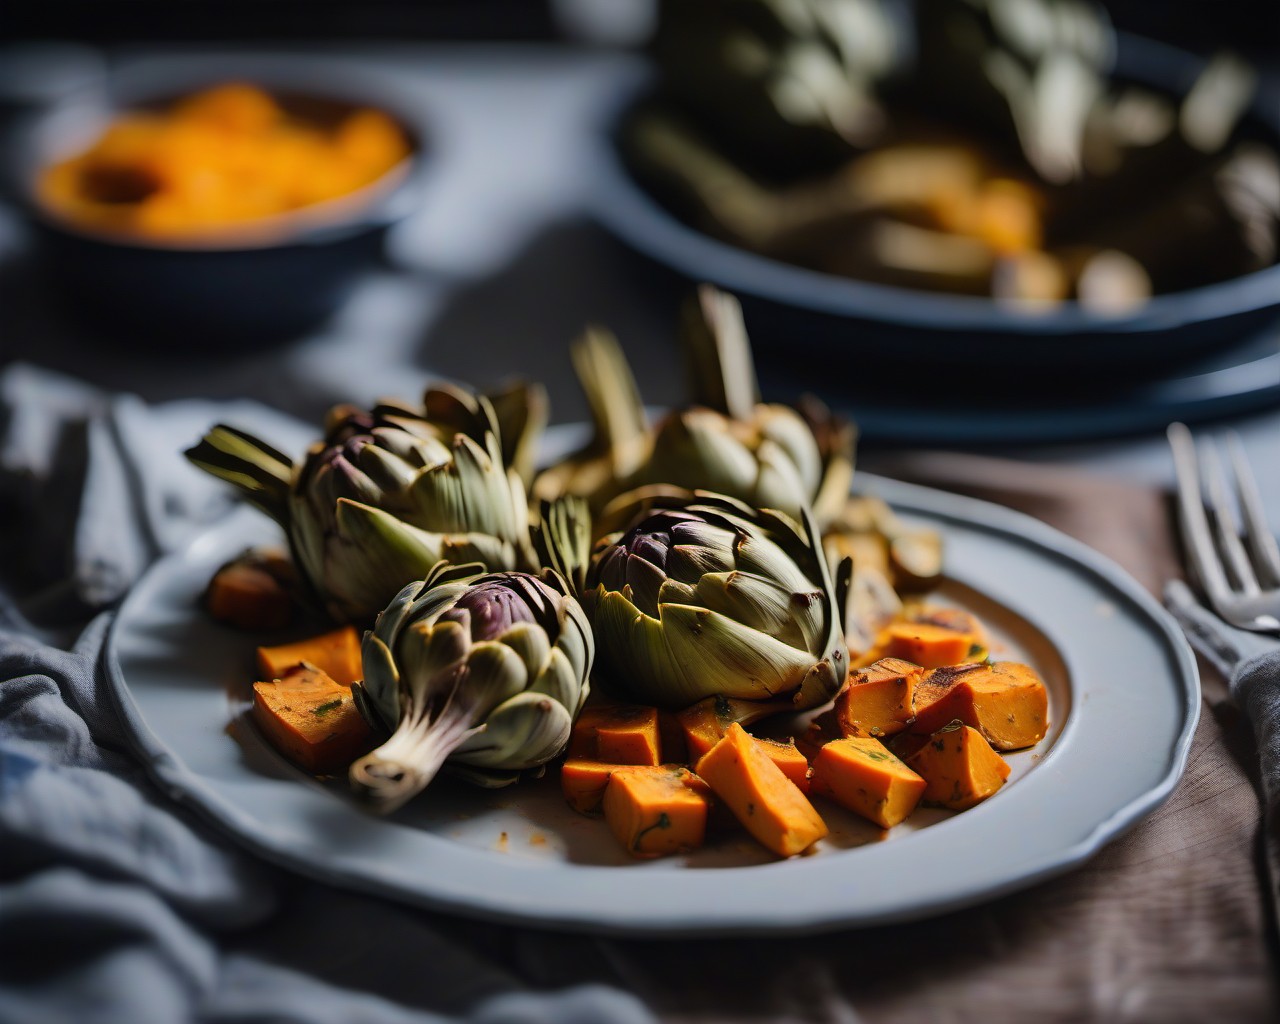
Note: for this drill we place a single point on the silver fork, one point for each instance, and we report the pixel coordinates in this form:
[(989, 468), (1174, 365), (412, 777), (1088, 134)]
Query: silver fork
[(1234, 558)]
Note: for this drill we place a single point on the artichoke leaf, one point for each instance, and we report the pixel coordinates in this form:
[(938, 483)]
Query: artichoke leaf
[(428, 655), (492, 673), (795, 618), (718, 655), (778, 482), (381, 688), (530, 643), (625, 635), (576, 642), (562, 539), (526, 730), (260, 472), (558, 679)]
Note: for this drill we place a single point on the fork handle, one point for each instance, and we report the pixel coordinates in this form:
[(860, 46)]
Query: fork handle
[(1256, 689)]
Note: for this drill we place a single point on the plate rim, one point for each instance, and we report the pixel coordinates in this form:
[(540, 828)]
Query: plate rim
[(188, 788)]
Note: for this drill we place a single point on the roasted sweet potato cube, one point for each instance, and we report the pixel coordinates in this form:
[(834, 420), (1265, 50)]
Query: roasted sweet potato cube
[(311, 719), (959, 767), (905, 744), (861, 774), (701, 727), (582, 781), (704, 723), (768, 804), (926, 644), (250, 593), (955, 619), (655, 811), (671, 738), (822, 729), (1006, 701), (787, 756), (337, 654), (878, 700), (617, 734)]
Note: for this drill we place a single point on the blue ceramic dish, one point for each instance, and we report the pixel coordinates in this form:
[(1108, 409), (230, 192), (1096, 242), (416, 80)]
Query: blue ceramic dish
[(790, 308), (271, 282)]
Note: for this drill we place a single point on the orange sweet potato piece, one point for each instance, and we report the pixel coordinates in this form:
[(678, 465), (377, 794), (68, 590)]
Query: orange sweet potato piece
[(617, 734), (248, 594), (582, 781), (655, 810), (822, 729), (926, 643), (878, 700), (701, 727), (704, 724), (311, 719), (861, 774), (337, 654), (787, 757), (955, 619), (671, 739), (959, 767), (1006, 701), (905, 744), (768, 804)]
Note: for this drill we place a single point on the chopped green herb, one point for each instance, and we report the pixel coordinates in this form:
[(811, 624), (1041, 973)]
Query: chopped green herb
[(662, 822), (325, 708)]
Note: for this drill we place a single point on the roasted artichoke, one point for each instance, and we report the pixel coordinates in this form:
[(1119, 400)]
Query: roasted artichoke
[(728, 441), (707, 596), (385, 495), (486, 672)]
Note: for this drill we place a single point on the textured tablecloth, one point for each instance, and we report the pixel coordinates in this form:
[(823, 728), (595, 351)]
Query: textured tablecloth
[(116, 906)]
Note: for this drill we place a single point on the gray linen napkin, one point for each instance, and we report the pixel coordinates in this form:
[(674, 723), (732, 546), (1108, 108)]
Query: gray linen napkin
[(1251, 661), (116, 905)]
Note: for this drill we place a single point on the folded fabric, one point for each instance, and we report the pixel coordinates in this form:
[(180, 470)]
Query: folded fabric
[(94, 487), (115, 904)]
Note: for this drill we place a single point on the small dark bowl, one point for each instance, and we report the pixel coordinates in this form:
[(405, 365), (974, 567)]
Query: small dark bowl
[(273, 280), (794, 311)]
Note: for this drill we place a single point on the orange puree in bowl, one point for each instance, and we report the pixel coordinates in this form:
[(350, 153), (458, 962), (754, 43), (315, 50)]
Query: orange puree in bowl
[(217, 162)]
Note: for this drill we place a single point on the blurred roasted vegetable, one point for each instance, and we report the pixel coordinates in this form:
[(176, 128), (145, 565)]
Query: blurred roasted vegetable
[(787, 82), (1014, 163)]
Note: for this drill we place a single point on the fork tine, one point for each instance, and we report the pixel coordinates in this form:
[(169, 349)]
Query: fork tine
[(1195, 526), (1224, 522), (1257, 532)]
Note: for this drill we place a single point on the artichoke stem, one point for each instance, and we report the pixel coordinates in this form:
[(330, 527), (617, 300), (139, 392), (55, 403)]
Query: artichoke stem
[(403, 766)]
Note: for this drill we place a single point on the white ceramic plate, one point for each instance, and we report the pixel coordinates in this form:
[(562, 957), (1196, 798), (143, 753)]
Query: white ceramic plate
[(1124, 698)]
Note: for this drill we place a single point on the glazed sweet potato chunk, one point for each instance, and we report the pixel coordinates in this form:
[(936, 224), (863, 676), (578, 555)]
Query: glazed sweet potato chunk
[(959, 767), (617, 734), (250, 592), (861, 774), (704, 724), (582, 781), (787, 757), (336, 654), (1005, 701), (927, 643), (878, 700), (768, 804), (655, 811), (311, 719)]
